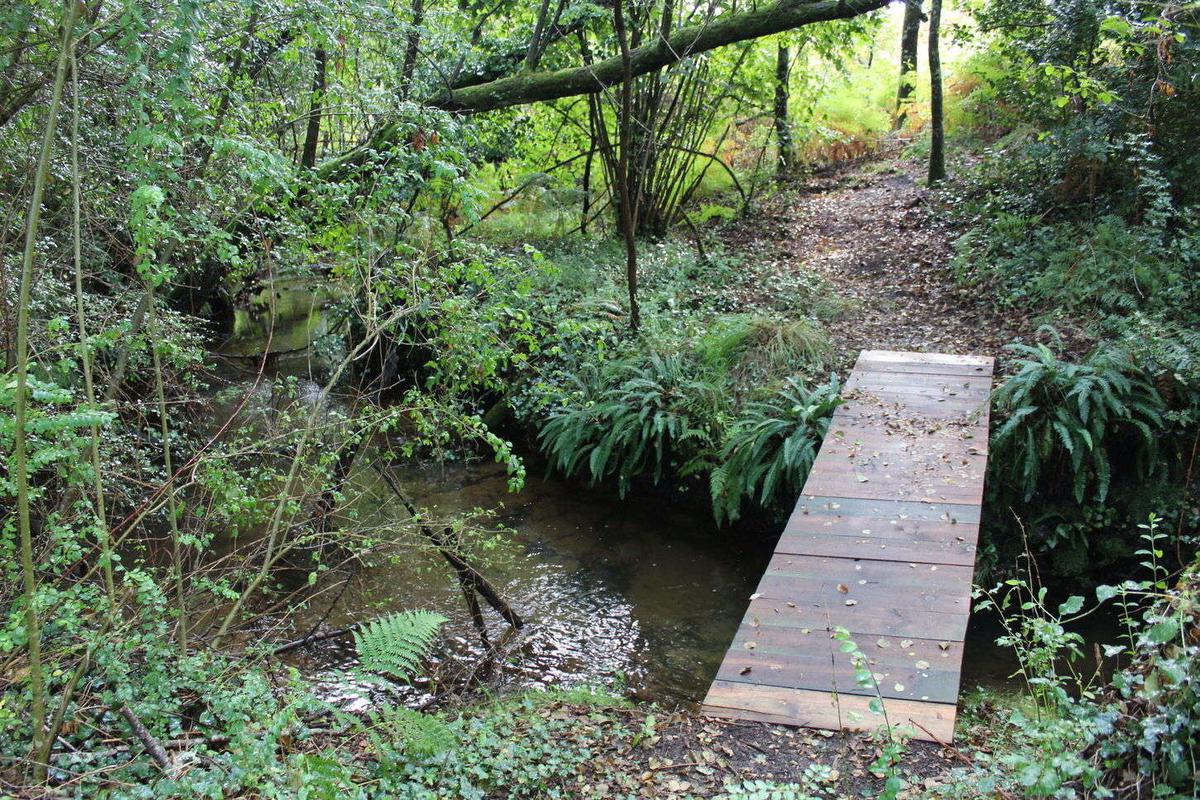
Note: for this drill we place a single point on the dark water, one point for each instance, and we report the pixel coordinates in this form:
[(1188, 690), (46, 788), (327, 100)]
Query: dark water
[(626, 591)]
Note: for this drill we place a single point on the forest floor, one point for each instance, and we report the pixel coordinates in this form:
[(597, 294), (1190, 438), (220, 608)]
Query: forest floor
[(876, 237), (682, 755)]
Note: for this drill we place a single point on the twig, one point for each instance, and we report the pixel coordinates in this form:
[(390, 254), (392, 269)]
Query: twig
[(147, 739), (313, 638), (467, 574), (954, 751)]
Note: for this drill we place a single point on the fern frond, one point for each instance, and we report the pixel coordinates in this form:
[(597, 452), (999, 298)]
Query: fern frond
[(393, 729), (396, 644)]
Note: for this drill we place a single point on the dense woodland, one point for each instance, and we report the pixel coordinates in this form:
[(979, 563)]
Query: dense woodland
[(630, 244)]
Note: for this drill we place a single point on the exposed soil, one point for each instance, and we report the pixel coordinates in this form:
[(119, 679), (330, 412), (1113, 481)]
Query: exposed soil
[(878, 241), (681, 755)]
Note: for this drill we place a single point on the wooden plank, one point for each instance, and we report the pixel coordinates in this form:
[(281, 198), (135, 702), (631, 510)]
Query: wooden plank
[(969, 384), (818, 613), (921, 669), (900, 411), (970, 440), (946, 528), (863, 574), (811, 504), (928, 363), (905, 357), (815, 709), (881, 545), (861, 602), (934, 489), (878, 547)]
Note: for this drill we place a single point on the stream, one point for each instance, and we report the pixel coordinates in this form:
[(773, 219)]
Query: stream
[(636, 594)]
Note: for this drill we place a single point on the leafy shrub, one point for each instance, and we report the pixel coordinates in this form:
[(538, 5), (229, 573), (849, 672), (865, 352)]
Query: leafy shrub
[(1136, 734), (1104, 265), (1070, 420), (768, 452), (631, 419)]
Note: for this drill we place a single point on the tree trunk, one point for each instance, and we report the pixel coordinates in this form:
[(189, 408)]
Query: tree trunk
[(412, 48), (20, 461), (783, 127), (627, 211), (937, 132), (534, 52), (910, 32), (586, 210), (308, 159)]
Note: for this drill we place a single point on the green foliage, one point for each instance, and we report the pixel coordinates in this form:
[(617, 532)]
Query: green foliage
[(1138, 733), (633, 419), (396, 730), (1081, 450), (1093, 270), (395, 645), (1075, 420), (764, 347), (519, 748), (769, 450), (892, 735), (765, 790)]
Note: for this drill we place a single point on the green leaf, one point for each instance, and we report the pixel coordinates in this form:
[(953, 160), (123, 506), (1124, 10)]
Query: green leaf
[(1072, 605), (1163, 632)]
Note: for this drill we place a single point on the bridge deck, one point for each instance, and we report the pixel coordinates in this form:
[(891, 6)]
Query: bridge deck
[(882, 543)]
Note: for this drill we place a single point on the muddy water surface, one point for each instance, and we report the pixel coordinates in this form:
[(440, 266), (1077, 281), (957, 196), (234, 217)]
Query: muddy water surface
[(630, 591)]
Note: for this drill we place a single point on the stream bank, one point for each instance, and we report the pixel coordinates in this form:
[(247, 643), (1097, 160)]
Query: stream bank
[(634, 593)]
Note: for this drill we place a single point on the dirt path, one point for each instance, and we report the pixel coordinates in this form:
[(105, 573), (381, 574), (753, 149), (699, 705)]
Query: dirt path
[(871, 234)]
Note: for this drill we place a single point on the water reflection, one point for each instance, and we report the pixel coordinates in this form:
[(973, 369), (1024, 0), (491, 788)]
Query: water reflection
[(613, 590)]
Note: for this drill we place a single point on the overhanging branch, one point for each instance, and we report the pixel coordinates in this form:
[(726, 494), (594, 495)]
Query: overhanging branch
[(536, 87)]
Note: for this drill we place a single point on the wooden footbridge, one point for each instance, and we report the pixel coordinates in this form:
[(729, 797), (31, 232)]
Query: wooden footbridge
[(881, 544)]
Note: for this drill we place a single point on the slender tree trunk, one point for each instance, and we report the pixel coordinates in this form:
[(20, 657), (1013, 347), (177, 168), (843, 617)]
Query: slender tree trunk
[(33, 631), (156, 340), (937, 135), (910, 32), (308, 159), (533, 52), (85, 346), (412, 48), (624, 137), (783, 126), (586, 209)]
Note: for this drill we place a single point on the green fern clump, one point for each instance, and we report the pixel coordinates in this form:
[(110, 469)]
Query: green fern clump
[(767, 454), (1062, 420), (638, 419), (395, 645)]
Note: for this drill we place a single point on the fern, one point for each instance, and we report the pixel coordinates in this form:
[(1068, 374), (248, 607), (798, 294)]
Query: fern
[(1067, 421), (393, 729), (768, 453), (644, 418), (395, 645)]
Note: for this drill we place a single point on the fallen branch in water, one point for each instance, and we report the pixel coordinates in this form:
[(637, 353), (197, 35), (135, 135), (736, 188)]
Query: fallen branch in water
[(468, 576), (313, 638)]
